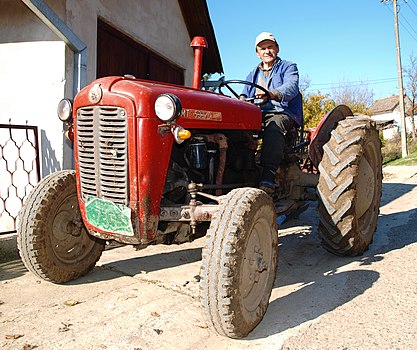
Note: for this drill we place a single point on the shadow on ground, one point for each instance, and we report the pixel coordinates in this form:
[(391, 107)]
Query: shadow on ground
[(392, 191), (144, 264)]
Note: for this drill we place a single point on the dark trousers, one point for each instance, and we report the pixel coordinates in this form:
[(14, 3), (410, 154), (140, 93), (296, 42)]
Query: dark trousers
[(273, 140)]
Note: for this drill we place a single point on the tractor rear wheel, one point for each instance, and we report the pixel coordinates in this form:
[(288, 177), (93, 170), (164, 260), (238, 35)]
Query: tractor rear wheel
[(52, 239), (350, 186), (239, 262)]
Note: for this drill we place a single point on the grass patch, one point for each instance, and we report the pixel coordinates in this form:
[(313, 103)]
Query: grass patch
[(391, 152), (411, 159)]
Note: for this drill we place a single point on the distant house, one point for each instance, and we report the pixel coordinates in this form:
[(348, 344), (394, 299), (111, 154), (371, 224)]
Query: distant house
[(386, 113)]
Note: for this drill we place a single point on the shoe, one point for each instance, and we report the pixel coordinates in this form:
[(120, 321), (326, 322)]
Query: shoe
[(267, 186)]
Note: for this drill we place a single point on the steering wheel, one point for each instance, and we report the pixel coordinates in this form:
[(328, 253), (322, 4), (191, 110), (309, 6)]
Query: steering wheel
[(227, 83)]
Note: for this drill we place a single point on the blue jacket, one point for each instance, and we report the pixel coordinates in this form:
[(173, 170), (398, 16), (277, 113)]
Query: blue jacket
[(284, 78)]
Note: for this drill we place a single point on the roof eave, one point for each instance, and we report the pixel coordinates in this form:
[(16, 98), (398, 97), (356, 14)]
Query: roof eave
[(197, 20)]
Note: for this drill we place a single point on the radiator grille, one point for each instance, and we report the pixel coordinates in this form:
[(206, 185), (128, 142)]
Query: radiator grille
[(102, 153)]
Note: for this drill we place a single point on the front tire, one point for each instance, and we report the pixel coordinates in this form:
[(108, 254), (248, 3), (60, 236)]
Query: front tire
[(51, 237), (239, 262), (350, 187)]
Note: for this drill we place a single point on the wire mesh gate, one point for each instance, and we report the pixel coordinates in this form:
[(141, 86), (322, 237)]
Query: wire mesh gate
[(19, 170)]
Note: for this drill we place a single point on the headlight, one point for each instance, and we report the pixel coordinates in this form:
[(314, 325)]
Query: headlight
[(64, 110), (167, 107)]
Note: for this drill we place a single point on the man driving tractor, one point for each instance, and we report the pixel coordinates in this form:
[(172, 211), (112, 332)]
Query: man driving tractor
[(282, 109), (159, 163)]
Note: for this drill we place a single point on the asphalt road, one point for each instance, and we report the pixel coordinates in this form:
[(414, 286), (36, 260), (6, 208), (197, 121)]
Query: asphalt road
[(149, 299)]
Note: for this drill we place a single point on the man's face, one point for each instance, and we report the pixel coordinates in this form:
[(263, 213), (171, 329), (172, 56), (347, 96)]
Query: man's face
[(267, 51)]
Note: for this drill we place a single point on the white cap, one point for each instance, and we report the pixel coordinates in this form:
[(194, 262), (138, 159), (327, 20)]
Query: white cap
[(264, 36)]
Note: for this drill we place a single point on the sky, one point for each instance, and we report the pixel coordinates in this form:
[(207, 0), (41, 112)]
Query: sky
[(331, 41)]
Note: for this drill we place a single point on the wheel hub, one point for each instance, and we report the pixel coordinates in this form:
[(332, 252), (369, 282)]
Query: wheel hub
[(69, 239), (256, 265)]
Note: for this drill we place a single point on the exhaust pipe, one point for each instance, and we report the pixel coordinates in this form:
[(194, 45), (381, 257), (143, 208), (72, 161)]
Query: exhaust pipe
[(198, 43)]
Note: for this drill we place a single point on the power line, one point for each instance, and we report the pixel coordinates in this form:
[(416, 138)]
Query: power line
[(348, 85), (411, 9), (404, 27), (361, 82), (409, 25)]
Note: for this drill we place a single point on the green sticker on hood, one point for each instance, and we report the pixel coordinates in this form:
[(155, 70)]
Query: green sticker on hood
[(109, 216)]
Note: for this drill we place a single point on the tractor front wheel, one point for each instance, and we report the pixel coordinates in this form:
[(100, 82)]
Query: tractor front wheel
[(239, 262), (350, 186), (52, 239)]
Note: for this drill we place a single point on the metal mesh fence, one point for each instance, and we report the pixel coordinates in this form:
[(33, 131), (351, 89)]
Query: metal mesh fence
[(19, 170)]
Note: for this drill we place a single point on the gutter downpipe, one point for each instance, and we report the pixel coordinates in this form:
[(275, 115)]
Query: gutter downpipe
[(50, 18)]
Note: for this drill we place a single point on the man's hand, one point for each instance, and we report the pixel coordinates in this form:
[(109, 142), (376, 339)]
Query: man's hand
[(260, 95), (272, 95)]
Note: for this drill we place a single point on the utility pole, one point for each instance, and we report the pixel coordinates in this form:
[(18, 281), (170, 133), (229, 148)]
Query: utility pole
[(400, 82)]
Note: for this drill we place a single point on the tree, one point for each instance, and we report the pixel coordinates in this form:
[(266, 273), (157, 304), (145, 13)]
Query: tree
[(356, 95), (304, 83), (315, 107), (411, 88)]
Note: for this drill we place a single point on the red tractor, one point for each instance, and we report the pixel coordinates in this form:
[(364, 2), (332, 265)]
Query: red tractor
[(159, 163)]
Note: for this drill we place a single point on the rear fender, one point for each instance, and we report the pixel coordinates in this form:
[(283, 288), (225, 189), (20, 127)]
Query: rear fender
[(322, 133)]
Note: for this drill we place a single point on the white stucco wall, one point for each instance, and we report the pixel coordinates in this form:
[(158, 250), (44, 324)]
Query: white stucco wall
[(391, 132), (33, 81), (35, 76), (409, 124)]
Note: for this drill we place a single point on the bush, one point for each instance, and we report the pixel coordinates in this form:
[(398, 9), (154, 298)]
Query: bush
[(391, 150)]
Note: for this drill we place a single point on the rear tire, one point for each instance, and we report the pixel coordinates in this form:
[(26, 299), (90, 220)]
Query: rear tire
[(239, 262), (51, 237), (350, 186)]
